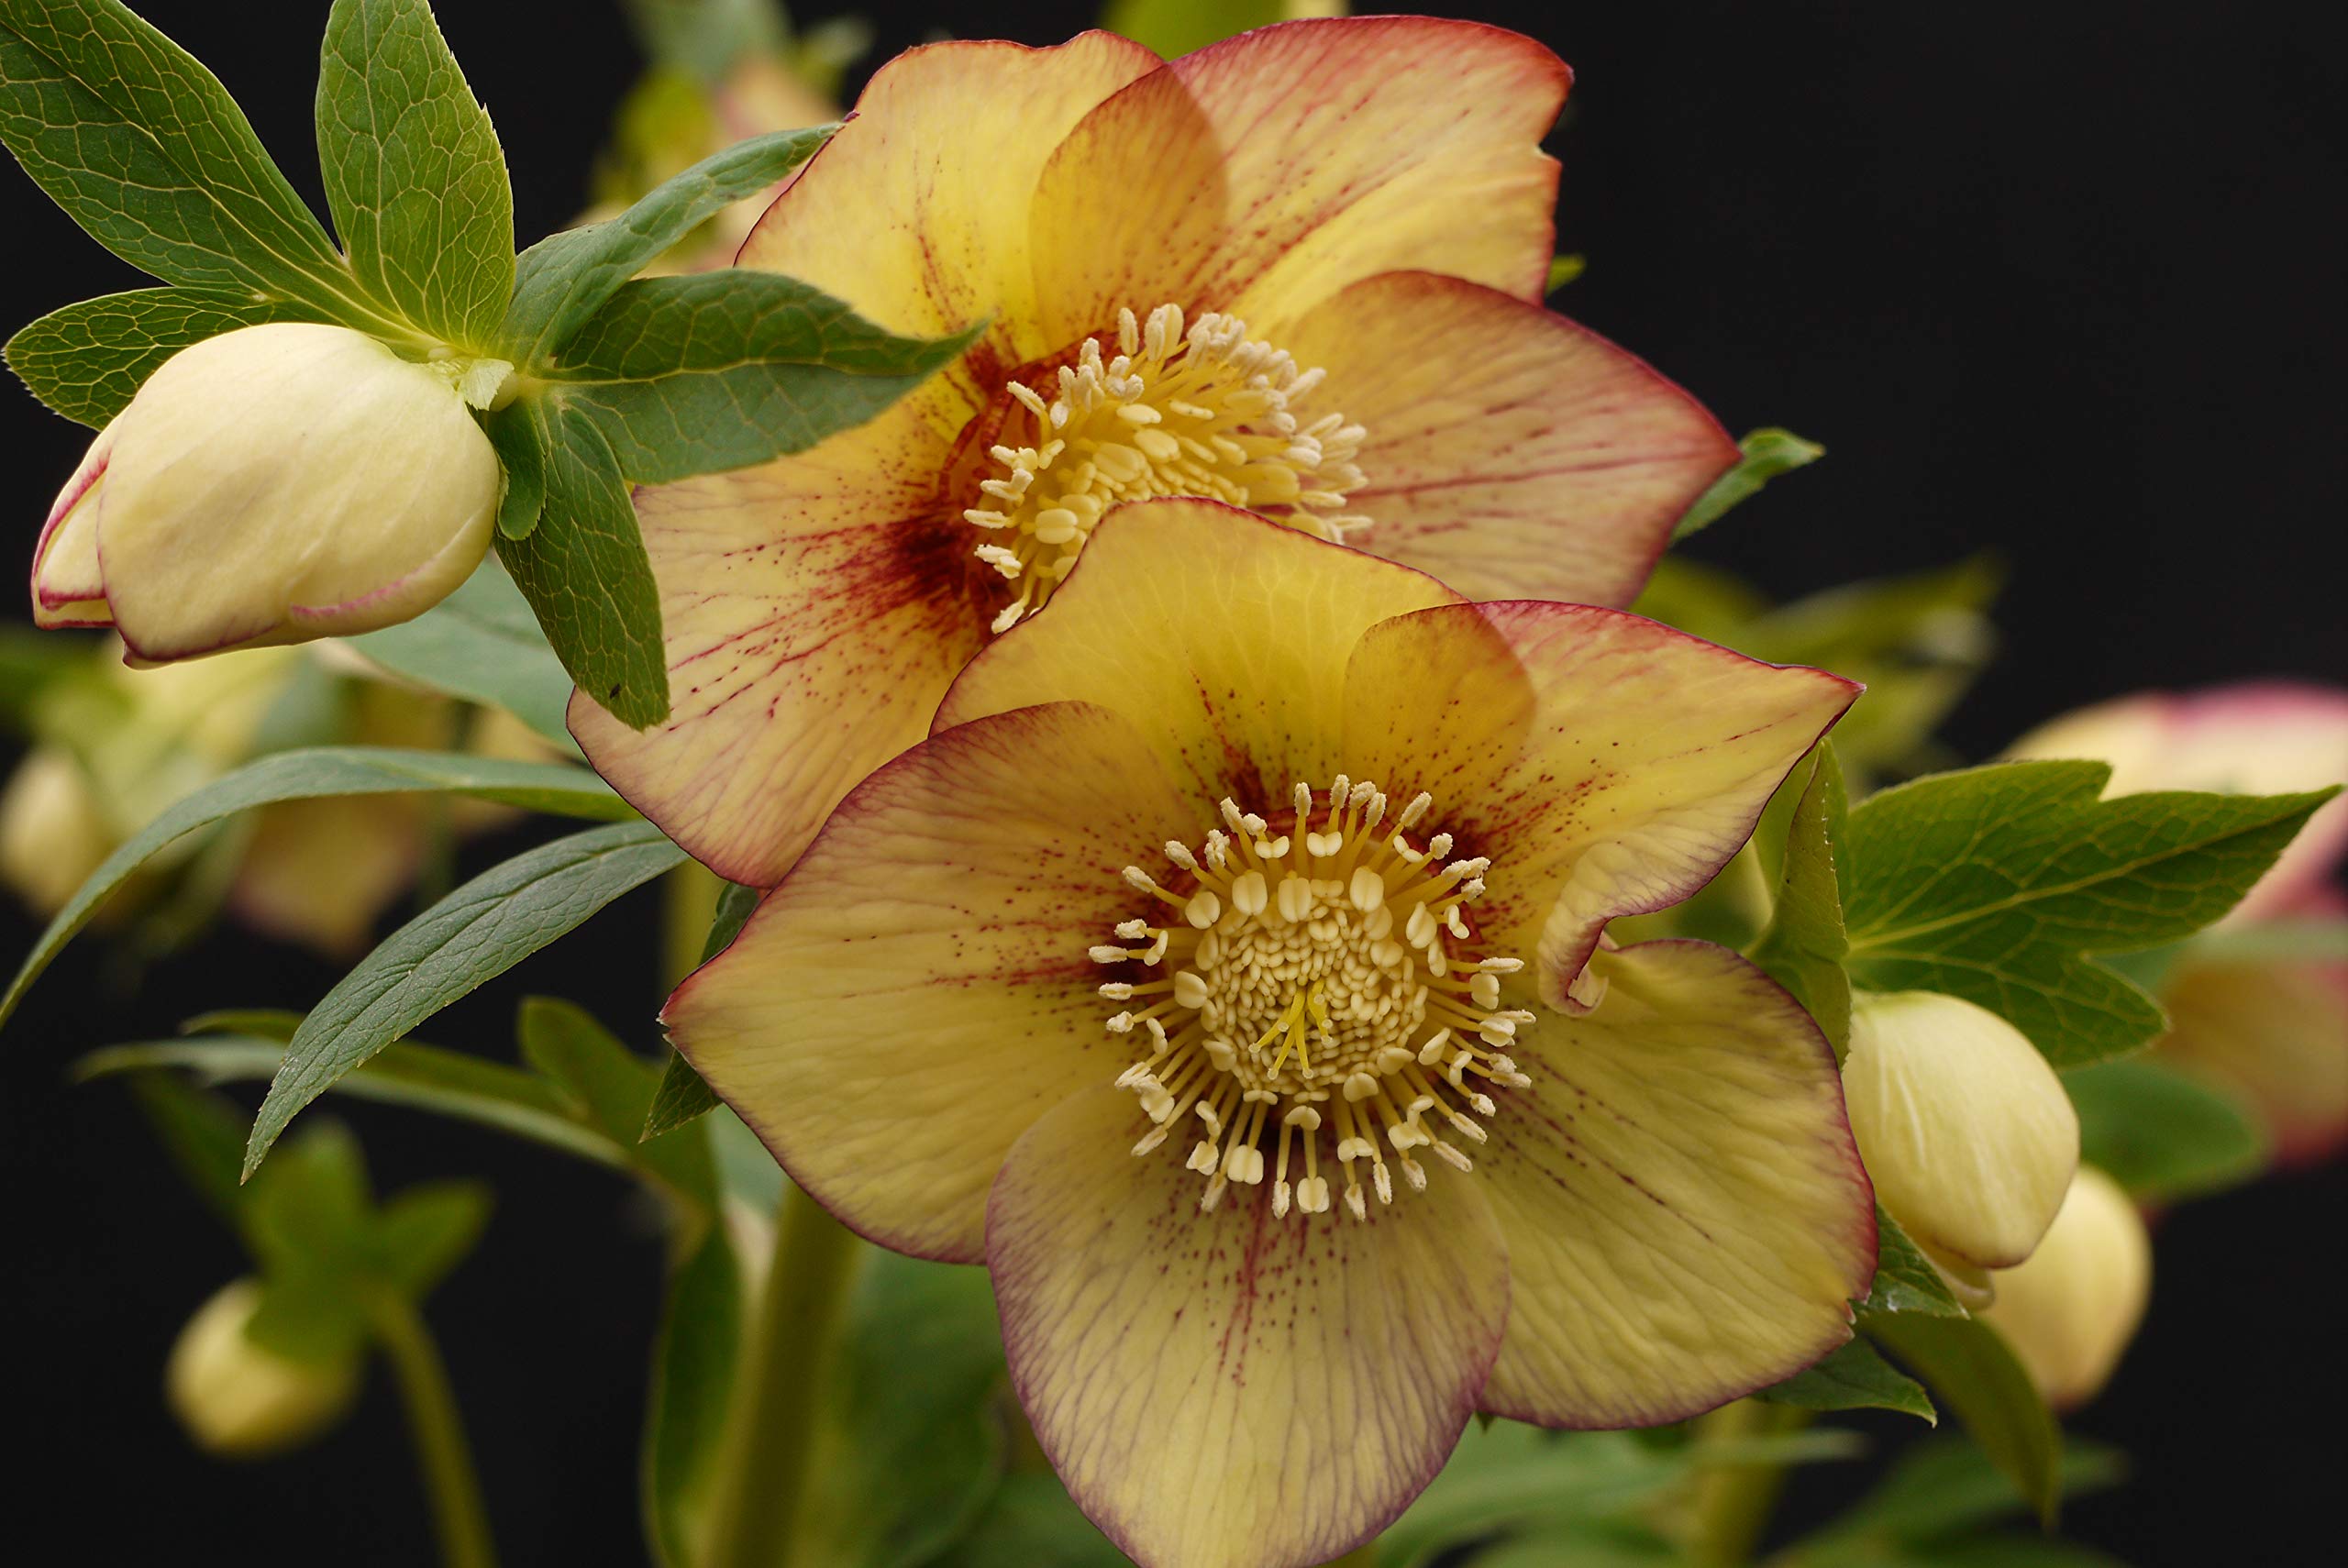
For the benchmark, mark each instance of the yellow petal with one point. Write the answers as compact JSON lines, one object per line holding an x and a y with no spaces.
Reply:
{"x":69,"y":587}
{"x":1225,"y":1387}
{"x":917,"y":212}
{"x":1969,"y":1135}
{"x":1225,"y":637}
{"x":814,"y":611}
{"x":1648,"y":757}
{"x":1686,"y":1215}
{"x":1510,"y":452}
{"x":897,"y":1012}
{"x":2275,"y":1033}
{"x":2070,"y":1310}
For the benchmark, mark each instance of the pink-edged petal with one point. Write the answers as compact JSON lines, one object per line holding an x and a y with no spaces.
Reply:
{"x":1686,"y":1213}
{"x":1648,"y":760}
{"x":1259,"y":175}
{"x":69,"y":586}
{"x":1225,"y":636}
{"x":1228,"y":1387}
{"x":1509,"y":452}
{"x":919,"y":989}
{"x":814,"y":611}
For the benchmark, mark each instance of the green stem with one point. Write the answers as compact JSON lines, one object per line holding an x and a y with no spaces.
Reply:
{"x":764,"y":1469}
{"x":1362,"y":1556}
{"x":1732,"y":1502}
{"x":688,"y":904}
{"x":441,"y":1451}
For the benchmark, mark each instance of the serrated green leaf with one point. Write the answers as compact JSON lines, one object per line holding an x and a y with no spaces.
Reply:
{"x":148,"y":153}
{"x":1804,"y":947}
{"x":611,"y":1089}
{"x":1175,"y":27}
{"x":1854,"y":1378}
{"x":1767,"y":454}
{"x":88,"y":361}
{"x":427,"y":1231}
{"x":474,"y":934}
{"x":568,"y":277}
{"x":713,"y":370}
{"x":1996,"y":884}
{"x":520,"y":440}
{"x":553,"y":788}
{"x":1968,"y":1369}
{"x":585,"y":572}
{"x":2161,"y":1134}
{"x":484,"y":645}
{"x":694,"y":1352}
{"x":414,"y":175}
{"x":1905,"y":1279}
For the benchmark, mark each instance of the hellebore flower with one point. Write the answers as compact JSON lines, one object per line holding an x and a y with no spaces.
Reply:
{"x":1221,"y":973}
{"x":53,"y":831}
{"x":270,"y":485}
{"x":2070,"y":1310}
{"x":2271,"y":1027}
{"x":1299,"y":272}
{"x":1969,"y":1134}
{"x":239,"y":1399}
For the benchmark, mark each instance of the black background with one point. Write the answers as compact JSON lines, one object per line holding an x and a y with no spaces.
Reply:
{"x":2056,"y":279}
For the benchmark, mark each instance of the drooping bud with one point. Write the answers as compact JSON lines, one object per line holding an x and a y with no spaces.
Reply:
{"x":53,"y":833}
{"x":271,"y":485}
{"x":2070,"y":1310}
{"x":240,"y":1400}
{"x":1965,"y":1129}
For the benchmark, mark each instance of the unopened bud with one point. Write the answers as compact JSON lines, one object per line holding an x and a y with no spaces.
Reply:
{"x":53,"y":833}
{"x":240,"y":1400}
{"x":271,"y":485}
{"x":1967,"y":1132}
{"x":2070,"y":1310}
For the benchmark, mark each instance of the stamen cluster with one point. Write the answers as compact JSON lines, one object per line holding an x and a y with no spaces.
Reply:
{"x":1205,"y":412}
{"x":1317,"y":991}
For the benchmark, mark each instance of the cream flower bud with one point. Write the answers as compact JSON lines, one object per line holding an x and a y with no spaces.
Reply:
{"x":2070,"y":1310}
{"x":53,"y":833}
{"x":239,"y":1399}
{"x":270,"y":485}
{"x":1966,"y":1131}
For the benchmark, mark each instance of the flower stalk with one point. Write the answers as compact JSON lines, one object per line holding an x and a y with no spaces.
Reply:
{"x":442,"y":1454}
{"x":1732,"y":1502}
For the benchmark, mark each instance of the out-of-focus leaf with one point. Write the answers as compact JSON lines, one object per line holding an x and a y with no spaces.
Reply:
{"x":1968,"y":1369}
{"x":611,"y":1088}
{"x":2161,"y":1134}
{"x":1175,"y":27}
{"x":204,"y":1134}
{"x":1947,"y":1485}
{"x":1030,"y":1523}
{"x":484,"y":645}
{"x":682,"y":1096}
{"x":694,"y":1358}
{"x":426,"y":1231}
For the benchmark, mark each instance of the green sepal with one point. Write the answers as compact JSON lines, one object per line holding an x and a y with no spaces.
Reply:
{"x":683,"y":1096}
{"x":1905,"y":1279}
{"x":89,"y":359}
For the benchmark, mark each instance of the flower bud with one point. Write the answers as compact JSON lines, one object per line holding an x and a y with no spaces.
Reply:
{"x":240,"y":1400}
{"x":53,"y":833}
{"x":1967,"y":1132}
{"x":270,"y":485}
{"x":2070,"y":1310}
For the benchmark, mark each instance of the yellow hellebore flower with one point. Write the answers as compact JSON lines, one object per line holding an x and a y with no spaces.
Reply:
{"x":1967,"y":1133}
{"x":1299,"y":272}
{"x":1220,"y":973}
{"x":270,"y":485}
{"x":2273,"y":1030}
{"x":240,"y":1400}
{"x":2070,"y":1310}
{"x":52,"y":831}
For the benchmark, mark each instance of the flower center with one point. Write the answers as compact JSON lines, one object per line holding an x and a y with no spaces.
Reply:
{"x":1318,"y":994}
{"x":1207,"y":412}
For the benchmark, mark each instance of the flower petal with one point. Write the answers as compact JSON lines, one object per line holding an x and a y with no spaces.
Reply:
{"x":1685,"y":1214}
{"x":1228,"y":1387}
{"x":1510,"y":452}
{"x":917,"y":212}
{"x":1223,"y":636}
{"x":814,"y":610}
{"x":1649,"y":760}
{"x":2274,"y":1032}
{"x":919,"y":989}
{"x":1260,"y":175}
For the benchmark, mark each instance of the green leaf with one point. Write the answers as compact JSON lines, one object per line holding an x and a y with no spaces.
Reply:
{"x":585,"y":572}
{"x":1854,"y":1378}
{"x":707,"y":38}
{"x":713,"y":370}
{"x":202,"y":1132}
{"x":426,"y":1231}
{"x":1175,"y":27}
{"x":1905,"y":1279}
{"x":1969,"y":1370}
{"x":1609,"y":1544}
{"x":88,"y":361}
{"x":477,"y":933}
{"x":1030,"y":1523}
{"x":414,"y":175}
{"x":548,"y":786}
{"x":693,"y":1357}
{"x":1767,"y":454}
{"x":145,"y":150}
{"x":568,"y":277}
{"x":1804,"y":946}
{"x":484,"y":645}
{"x":1564,"y":269}
{"x":682,"y":1096}
{"x":1995,"y":884}
{"x":1947,"y":1485}
{"x":2161,"y":1134}
{"x":610,"y":1088}
{"x":1507,"y":1476}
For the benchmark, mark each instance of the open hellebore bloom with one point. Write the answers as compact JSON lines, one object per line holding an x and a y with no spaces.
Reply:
{"x":1969,"y":1135}
{"x":1221,"y":974}
{"x":270,"y":485}
{"x":2270,"y":1025}
{"x":2072,"y":1307}
{"x":1299,"y":272}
